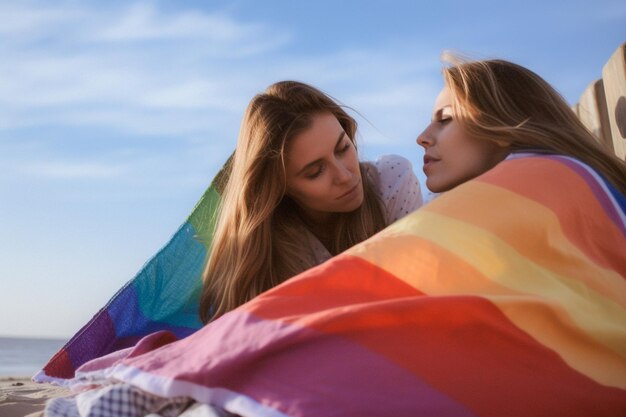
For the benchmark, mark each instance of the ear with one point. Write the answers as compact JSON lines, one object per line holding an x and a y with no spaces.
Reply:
{"x":501,"y":150}
{"x":502,"y":143}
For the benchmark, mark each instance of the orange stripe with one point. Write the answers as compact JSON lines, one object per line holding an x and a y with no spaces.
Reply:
{"x":582,"y":218}
{"x":545,"y":245}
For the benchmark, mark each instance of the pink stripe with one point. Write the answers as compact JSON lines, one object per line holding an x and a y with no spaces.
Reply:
{"x":282,"y":365}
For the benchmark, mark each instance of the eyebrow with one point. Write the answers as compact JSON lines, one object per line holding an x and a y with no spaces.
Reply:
{"x":317,"y":161}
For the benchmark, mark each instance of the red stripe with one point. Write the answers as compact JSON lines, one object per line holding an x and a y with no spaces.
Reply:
{"x":344,"y":281}
{"x":60,"y":366}
{"x":466,"y":348}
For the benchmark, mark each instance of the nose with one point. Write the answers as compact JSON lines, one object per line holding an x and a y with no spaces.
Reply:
{"x":425,"y":138}
{"x":343,"y":173}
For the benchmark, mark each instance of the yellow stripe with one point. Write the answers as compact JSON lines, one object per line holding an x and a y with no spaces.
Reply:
{"x":509,"y":280}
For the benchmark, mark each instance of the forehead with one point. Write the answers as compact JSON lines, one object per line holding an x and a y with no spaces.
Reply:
{"x":315,"y":142}
{"x":444,"y":98}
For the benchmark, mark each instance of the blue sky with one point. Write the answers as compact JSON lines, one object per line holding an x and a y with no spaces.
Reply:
{"x":115,"y":115}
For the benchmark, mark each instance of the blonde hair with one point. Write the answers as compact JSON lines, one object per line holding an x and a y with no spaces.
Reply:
{"x":258,"y":241}
{"x":503,"y":102}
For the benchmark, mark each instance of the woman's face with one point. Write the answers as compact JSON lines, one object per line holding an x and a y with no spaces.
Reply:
{"x":451,"y":156}
{"x":322,"y":167}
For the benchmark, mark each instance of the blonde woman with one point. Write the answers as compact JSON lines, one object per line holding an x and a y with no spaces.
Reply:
{"x":491,"y":109}
{"x":297,"y":195}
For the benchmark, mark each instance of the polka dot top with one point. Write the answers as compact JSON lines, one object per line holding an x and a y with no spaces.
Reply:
{"x":397,"y":185}
{"x":398,"y":188}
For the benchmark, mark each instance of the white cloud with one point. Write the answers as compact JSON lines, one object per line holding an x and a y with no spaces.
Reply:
{"x":28,"y":19}
{"x":73,"y":170}
{"x":193,"y":94}
{"x":144,"y":22}
{"x":137,"y":122}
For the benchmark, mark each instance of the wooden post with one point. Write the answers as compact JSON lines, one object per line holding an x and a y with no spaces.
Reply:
{"x":592,"y":111}
{"x":614,"y":76}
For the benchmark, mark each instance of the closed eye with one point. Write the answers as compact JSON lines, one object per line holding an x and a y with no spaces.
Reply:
{"x":443,"y":115}
{"x":345,"y":148}
{"x":316,"y":173}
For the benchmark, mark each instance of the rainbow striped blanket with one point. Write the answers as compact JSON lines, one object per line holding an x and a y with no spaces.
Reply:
{"x":164,"y":295}
{"x":504,"y":296}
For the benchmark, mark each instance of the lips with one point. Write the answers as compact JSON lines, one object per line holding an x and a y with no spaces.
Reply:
{"x":429,"y":160}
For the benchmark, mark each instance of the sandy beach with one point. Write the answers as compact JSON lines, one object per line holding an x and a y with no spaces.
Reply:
{"x":20,"y":397}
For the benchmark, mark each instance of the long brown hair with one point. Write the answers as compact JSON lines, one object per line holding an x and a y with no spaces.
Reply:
{"x":497,"y":100}
{"x":258,"y":241}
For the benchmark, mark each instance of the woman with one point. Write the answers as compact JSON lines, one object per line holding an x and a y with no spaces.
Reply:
{"x":297,"y":195}
{"x":490,"y":109}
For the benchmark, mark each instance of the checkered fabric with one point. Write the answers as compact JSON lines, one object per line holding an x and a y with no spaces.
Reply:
{"x":123,"y":400}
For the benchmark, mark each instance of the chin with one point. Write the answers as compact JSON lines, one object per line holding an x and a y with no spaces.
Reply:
{"x":433,"y":188}
{"x":356,"y":204}
{"x":439,"y":187}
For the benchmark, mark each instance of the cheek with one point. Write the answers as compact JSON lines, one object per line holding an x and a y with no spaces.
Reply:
{"x":308,"y":193}
{"x":476,"y":162}
{"x":353,"y":160}
{"x":488,"y":155}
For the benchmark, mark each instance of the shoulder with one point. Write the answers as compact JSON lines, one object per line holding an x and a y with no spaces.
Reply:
{"x":397,"y":185}
{"x":387,"y":163}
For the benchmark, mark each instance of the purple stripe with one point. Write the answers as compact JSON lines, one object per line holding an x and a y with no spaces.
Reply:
{"x":583,"y":171}
{"x":93,"y":341}
{"x":299,"y":371}
{"x":120,"y":325}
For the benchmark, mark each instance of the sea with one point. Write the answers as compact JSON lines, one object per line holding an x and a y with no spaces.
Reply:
{"x":25,"y":357}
